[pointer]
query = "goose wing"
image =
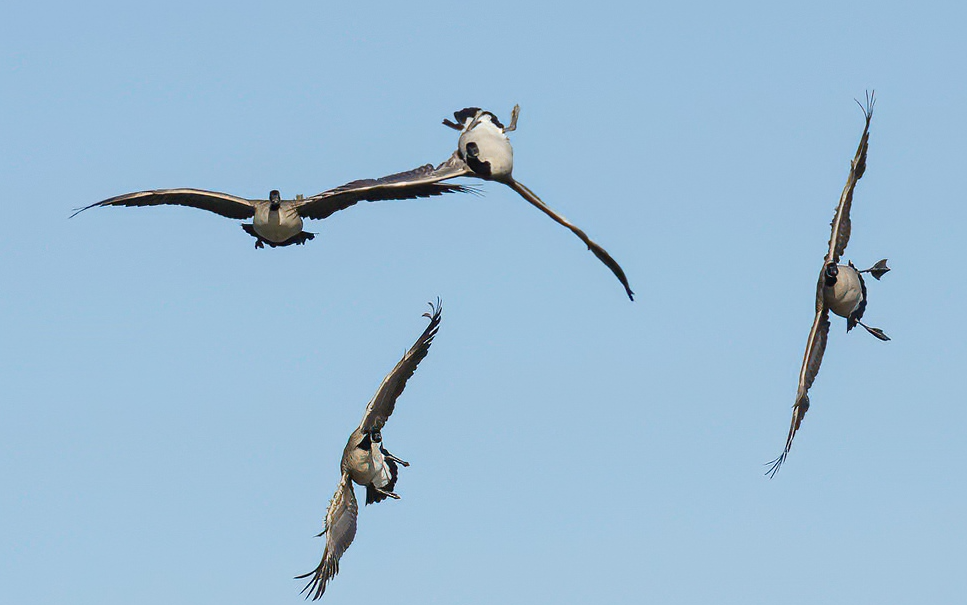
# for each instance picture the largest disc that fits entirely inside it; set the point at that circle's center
(339, 531)
(841, 223)
(416, 183)
(598, 251)
(384, 401)
(229, 206)
(812, 359)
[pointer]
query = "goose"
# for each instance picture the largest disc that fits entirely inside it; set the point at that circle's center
(840, 289)
(484, 151)
(367, 462)
(278, 222)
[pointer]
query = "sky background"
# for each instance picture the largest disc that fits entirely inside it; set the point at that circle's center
(175, 402)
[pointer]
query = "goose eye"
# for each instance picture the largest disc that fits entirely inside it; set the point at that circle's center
(472, 149)
(376, 436)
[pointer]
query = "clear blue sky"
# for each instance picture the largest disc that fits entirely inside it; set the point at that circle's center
(175, 402)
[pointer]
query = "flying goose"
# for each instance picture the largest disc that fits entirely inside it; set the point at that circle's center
(278, 222)
(366, 461)
(484, 151)
(840, 289)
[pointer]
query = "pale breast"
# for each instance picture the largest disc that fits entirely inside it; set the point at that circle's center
(369, 466)
(846, 294)
(276, 225)
(361, 466)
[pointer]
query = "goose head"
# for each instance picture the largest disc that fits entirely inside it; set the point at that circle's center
(830, 273)
(275, 199)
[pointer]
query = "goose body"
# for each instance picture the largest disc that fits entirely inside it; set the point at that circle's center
(277, 225)
(366, 462)
(369, 464)
(486, 148)
(847, 293)
(361, 460)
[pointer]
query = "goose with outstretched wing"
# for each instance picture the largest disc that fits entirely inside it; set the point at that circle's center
(366, 461)
(278, 222)
(840, 289)
(485, 152)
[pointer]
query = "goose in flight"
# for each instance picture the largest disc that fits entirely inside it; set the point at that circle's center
(366, 461)
(278, 222)
(840, 289)
(484, 151)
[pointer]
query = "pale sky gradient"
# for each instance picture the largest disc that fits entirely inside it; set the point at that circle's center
(175, 402)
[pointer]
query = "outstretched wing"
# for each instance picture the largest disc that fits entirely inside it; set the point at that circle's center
(812, 359)
(419, 182)
(381, 406)
(841, 223)
(339, 531)
(598, 251)
(224, 204)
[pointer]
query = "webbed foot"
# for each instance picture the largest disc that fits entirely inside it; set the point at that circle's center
(875, 332)
(878, 270)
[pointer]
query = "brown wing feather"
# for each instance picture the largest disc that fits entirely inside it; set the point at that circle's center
(226, 205)
(841, 222)
(339, 531)
(598, 251)
(416, 183)
(812, 359)
(384, 401)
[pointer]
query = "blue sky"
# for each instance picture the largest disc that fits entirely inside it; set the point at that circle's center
(176, 402)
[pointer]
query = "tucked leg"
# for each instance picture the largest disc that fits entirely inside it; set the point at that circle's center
(298, 239)
(386, 493)
(250, 229)
(390, 456)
